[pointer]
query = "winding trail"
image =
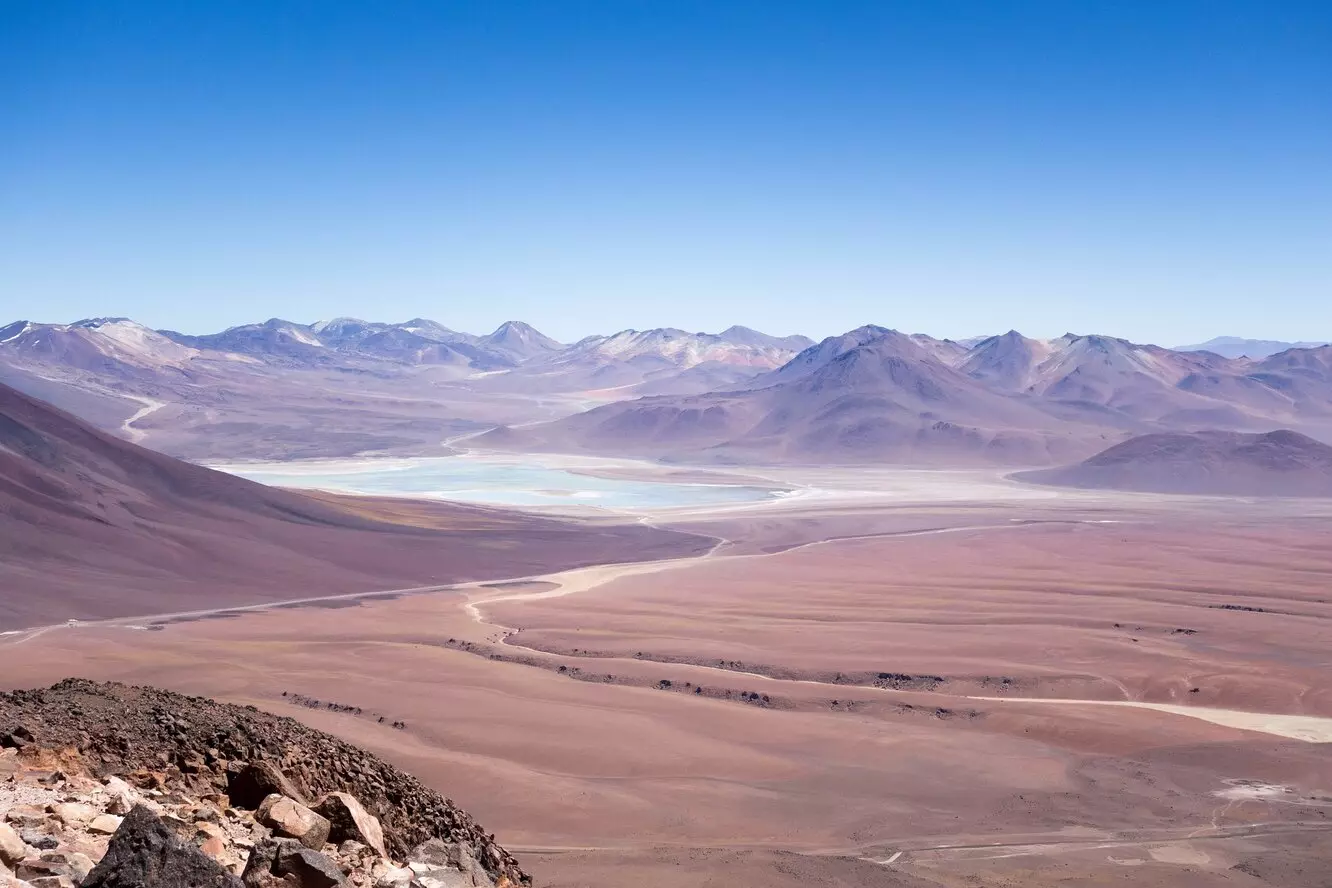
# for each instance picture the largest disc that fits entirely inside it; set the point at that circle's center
(1307, 728)
(584, 579)
(150, 406)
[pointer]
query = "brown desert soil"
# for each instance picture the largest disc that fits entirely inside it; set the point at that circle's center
(684, 723)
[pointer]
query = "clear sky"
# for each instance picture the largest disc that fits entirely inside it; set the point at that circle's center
(1156, 170)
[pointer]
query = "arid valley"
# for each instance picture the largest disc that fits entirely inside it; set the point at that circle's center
(665, 444)
(966, 681)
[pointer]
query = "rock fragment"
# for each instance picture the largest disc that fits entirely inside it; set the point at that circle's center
(249, 784)
(348, 820)
(437, 858)
(289, 818)
(121, 797)
(308, 868)
(12, 847)
(104, 824)
(74, 813)
(258, 871)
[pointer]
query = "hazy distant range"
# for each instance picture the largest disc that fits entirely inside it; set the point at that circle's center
(1238, 347)
(281, 390)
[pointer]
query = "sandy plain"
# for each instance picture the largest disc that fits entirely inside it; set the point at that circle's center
(807, 703)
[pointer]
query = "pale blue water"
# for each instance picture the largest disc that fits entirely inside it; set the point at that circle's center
(496, 482)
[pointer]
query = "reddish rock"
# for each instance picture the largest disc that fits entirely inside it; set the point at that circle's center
(350, 821)
(12, 847)
(290, 819)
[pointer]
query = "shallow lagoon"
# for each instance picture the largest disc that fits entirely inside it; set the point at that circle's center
(501, 481)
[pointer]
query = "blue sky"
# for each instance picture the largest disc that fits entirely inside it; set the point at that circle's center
(1156, 170)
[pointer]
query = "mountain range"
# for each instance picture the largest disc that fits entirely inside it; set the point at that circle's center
(877, 395)
(280, 389)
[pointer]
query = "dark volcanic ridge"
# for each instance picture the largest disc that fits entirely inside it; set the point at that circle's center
(1218, 463)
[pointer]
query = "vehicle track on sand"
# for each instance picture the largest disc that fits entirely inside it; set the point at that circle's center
(998, 846)
(587, 578)
(1307, 728)
(149, 407)
(1311, 729)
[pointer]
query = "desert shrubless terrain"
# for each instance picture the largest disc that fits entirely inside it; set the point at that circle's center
(935, 699)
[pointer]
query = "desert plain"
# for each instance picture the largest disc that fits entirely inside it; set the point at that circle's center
(956, 681)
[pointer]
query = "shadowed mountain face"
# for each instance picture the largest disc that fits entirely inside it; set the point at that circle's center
(94, 526)
(1280, 463)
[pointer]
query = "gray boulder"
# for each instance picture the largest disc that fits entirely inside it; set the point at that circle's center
(285, 862)
(259, 867)
(308, 869)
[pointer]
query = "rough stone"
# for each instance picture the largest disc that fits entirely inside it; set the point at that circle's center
(307, 868)
(26, 817)
(17, 738)
(249, 784)
(47, 882)
(386, 875)
(57, 863)
(213, 846)
(38, 867)
(145, 853)
(259, 867)
(209, 830)
(443, 878)
(12, 847)
(348, 820)
(439, 855)
(105, 824)
(74, 813)
(289, 818)
(121, 797)
(40, 841)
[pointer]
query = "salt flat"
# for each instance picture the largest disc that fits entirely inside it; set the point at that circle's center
(550, 484)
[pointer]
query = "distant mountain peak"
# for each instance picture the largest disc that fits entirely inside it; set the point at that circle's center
(1239, 347)
(519, 340)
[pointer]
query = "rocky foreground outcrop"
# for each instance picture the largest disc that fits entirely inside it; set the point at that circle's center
(111, 786)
